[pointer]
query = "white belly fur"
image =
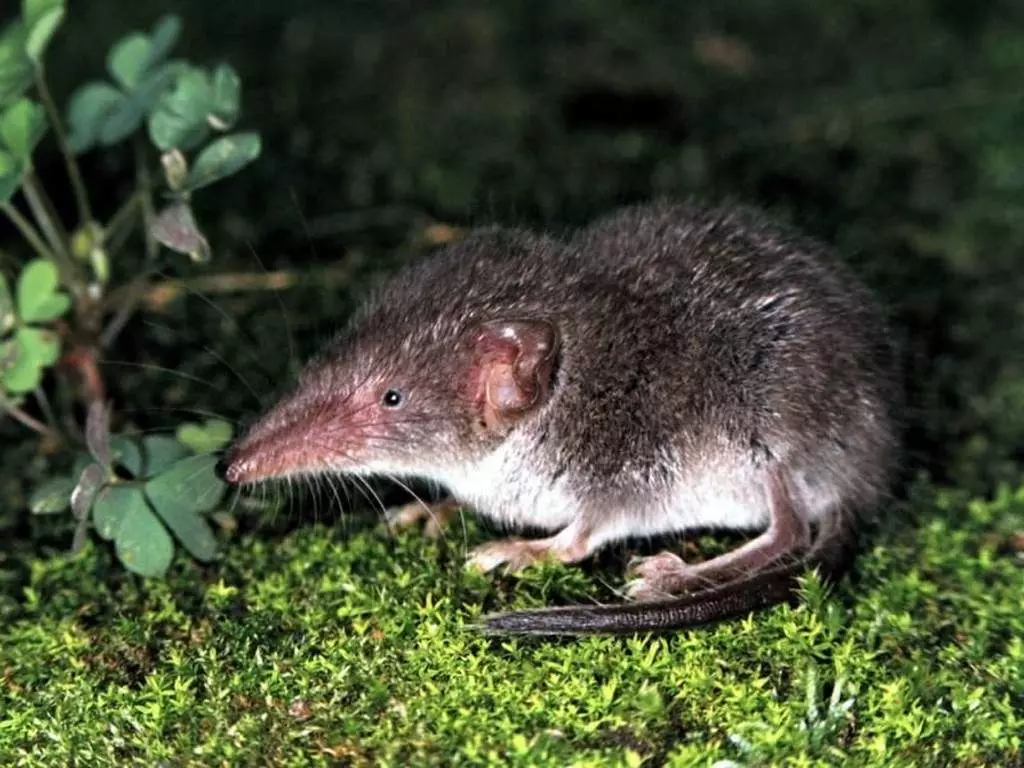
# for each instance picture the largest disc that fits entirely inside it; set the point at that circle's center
(713, 497)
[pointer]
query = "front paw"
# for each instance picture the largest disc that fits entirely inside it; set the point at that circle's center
(435, 517)
(659, 577)
(514, 554)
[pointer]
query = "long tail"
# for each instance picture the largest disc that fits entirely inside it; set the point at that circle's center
(717, 604)
(832, 554)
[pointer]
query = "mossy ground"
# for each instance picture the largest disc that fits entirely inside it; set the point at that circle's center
(353, 646)
(893, 131)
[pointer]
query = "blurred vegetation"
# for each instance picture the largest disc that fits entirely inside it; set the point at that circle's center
(891, 130)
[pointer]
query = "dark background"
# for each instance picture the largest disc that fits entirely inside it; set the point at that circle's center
(893, 130)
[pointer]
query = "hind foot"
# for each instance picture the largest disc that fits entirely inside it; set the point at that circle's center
(660, 576)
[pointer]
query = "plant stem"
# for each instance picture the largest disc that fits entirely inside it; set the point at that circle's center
(27, 231)
(115, 326)
(44, 406)
(74, 174)
(145, 182)
(29, 421)
(117, 229)
(158, 295)
(51, 228)
(144, 195)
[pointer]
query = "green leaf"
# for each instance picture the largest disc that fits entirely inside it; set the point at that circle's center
(180, 118)
(190, 483)
(54, 306)
(41, 17)
(89, 109)
(121, 123)
(38, 297)
(136, 54)
(143, 544)
(194, 533)
(165, 35)
(126, 452)
(127, 118)
(207, 437)
(36, 349)
(168, 130)
(227, 97)
(161, 451)
(113, 505)
(223, 157)
(10, 353)
(180, 494)
(22, 125)
(10, 176)
(7, 315)
(126, 61)
(16, 68)
(40, 344)
(52, 496)
(23, 376)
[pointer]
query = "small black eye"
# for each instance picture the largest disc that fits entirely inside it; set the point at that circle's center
(392, 398)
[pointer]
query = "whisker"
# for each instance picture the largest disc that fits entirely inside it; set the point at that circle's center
(233, 321)
(177, 409)
(158, 369)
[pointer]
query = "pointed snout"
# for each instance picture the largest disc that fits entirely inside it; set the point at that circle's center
(236, 469)
(236, 466)
(286, 441)
(260, 457)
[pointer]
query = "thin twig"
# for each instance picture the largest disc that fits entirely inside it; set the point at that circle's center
(44, 406)
(49, 226)
(27, 231)
(29, 421)
(156, 296)
(144, 196)
(145, 182)
(117, 230)
(74, 174)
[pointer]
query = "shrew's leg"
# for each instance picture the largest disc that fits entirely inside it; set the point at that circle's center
(570, 545)
(787, 537)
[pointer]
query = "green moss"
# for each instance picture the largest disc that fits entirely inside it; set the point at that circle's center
(356, 646)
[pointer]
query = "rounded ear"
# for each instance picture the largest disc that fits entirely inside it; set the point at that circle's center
(514, 361)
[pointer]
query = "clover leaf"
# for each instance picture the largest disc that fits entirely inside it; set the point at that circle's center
(39, 297)
(207, 437)
(22, 126)
(142, 543)
(31, 349)
(16, 68)
(34, 349)
(221, 158)
(101, 113)
(41, 19)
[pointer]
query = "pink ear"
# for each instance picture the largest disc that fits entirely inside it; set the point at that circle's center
(514, 363)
